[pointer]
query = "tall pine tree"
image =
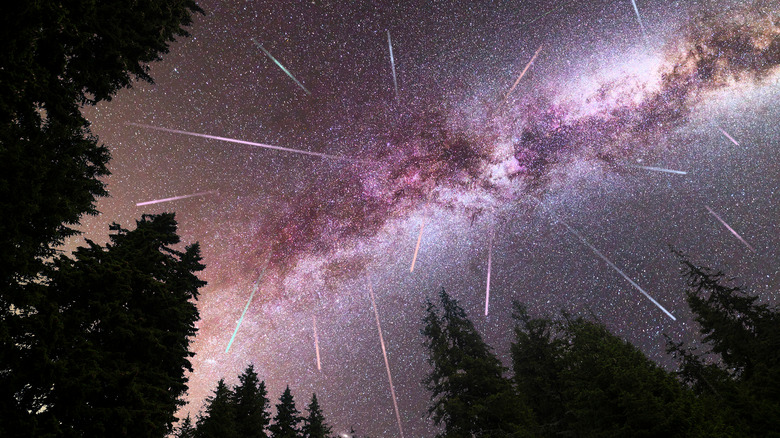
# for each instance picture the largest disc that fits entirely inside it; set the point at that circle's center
(219, 417)
(471, 397)
(314, 425)
(251, 405)
(186, 429)
(287, 417)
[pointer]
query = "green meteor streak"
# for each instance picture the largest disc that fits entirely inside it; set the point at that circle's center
(254, 289)
(280, 66)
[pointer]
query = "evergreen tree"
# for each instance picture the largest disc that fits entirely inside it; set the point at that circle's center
(251, 405)
(117, 333)
(287, 418)
(219, 418)
(314, 425)
(186, 429)
(470, 395)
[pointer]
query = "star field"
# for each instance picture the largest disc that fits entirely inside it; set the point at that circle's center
(459, 153)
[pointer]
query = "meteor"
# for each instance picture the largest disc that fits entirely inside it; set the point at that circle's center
(316, 342)
(490, 260)
(729, 228)
(639, 18)
(416, 249)
(392, 64)
(254, 289)
(661, 169)
(175, 198)
(280, 66)
(387, 364)
(728, 136)
(523, 73)
(619, 271)
(248, 143)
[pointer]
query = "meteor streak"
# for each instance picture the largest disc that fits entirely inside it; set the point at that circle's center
(416, 249)
(729, 228)
(639, 18)
(523, 73)
(316, 342)
(248, 143)
(280, 66)
(392, 64)
(387, 364)
(661, 169)
(490, 260)
(175, 198)
(254, 289)
(613, 266)
(728, 136)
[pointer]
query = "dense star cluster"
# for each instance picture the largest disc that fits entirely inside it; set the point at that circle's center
(613, 146)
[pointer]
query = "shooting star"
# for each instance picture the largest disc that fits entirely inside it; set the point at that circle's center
(254, 290)
(619, 271)
(490, 262)
(248, 143)
(387, 364)
(728, 136)
(392, 64)
(316, 342)
(175, 198)
(417, 248)
(280, 66)
(523, 73)
(729, 228)
(660, 169)
(639, 18)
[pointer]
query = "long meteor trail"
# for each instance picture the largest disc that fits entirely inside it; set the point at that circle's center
(490, 262)
(523, 73)
(280, 66)
(254, 290)
(248, 143)
(661, 169)
(387, 364)
(175, 198)
(417, 248)
(316, 342)
(392, 64)
(619, 271)
(729, 228)
(639, 18)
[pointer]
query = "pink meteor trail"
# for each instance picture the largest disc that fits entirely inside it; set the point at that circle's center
(416, 249)
(729, 228)
(387, 364)
(316, 342)
(175, 198)
(490, 260)
(523, 73)
(728, 136)
(248, 143)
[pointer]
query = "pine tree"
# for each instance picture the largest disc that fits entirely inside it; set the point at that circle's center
(251, 405)
(314, 424)
(117, 332)
(287, 418)
(219, 417)
(186, 429)
(470, 395)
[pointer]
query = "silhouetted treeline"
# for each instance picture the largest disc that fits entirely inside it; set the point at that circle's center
(571, 377)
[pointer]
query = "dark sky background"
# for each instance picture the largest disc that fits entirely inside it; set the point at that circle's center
(459, 155)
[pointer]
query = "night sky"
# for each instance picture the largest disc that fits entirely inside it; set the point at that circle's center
(621, 139)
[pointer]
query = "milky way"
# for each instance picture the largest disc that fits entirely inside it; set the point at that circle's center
(486, 112)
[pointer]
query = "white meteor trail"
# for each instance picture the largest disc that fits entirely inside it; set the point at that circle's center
(280, 66)
(639, 18)
(729, 228)
(490, 261)
(728, 136)
(523, 73)
(175, 198)
(316, 342)
(619, 271)
(660, 169)
(248, 143)
(417, 248)
(254, 290)
(387, 364)
(392, 64)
